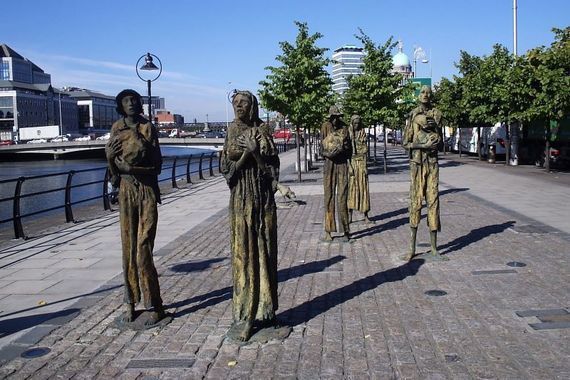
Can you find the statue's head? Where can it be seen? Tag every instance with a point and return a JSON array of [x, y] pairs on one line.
[[335, 116], [246, 107], [425, 95], [355, 121], [129, 103]]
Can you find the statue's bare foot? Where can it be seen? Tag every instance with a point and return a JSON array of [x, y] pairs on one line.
[[129, 314], [271, 322], [408, 257], [240, 331], [155, 316], [327, 237], [437, 256]]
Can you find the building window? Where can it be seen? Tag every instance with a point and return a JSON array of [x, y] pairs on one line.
[[4, 70]]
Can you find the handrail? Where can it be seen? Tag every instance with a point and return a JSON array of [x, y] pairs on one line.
[[104, 193]]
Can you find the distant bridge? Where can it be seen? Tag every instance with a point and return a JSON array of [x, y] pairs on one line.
[[93, 148]]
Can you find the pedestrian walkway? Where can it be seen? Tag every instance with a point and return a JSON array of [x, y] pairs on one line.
[[356, 310]]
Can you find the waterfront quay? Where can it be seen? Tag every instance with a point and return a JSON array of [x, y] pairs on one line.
[[499, 308]]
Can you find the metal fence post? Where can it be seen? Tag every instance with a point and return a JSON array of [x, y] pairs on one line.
[[68, 210], [188, 179], [220, 161], [174, 172], [211, 168], [106, 203], [200, 166], [18, 228]]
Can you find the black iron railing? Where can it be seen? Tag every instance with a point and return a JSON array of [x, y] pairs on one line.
[[172, 167]]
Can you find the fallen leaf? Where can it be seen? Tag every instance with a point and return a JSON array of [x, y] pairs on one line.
[[42, 303], [232, 363]]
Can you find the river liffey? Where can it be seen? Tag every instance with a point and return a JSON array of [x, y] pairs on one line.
[[88, 172]]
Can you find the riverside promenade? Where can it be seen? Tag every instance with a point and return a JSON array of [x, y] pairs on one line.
[[355, 309]]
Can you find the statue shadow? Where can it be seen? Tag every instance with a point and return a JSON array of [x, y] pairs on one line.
[[310, 309], [393, 224], [195, 266], [450, 164], [453, 190], [224, 294], [474, 236], [13, 325], [389, 214]]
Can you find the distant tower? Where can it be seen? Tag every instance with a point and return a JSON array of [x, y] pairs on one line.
[[347, 61], [401, 63]]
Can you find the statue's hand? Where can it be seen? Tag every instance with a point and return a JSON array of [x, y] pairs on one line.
[[115, 148], [248, 144], [123, 166]]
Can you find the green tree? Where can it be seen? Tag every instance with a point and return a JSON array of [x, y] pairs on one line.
[[378, 94], [301, 87], [547, 72]]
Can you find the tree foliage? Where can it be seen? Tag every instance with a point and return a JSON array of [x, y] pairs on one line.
[[502, 87], [300, 88], [377, 94]]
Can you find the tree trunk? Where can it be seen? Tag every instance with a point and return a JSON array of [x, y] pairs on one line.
[[479, 144], [385, 150], [547, 149], [311, 142], [507, 144], [298, 147], [460, 143], [375, 142]]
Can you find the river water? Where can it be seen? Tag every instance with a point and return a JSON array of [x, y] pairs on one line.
[[96, 172]]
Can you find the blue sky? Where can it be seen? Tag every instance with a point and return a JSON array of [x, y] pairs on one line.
[[204, 45]]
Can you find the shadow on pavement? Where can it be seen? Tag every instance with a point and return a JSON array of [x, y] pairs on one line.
[[389, 214], [11, 326], [318, 305], [224, 294], [195, 266], [393, 224], [474, 236], [451, 191]]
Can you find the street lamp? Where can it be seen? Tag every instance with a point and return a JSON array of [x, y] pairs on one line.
[[149, 66], [419, 54]]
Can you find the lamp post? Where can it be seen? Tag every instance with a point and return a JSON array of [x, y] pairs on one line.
[[149, 66], [420, 54], [227, 113]]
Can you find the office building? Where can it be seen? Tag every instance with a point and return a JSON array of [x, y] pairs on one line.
[[347, 61], [28, 100]]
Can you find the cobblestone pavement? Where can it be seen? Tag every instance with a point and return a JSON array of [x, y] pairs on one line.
[[356, 310]]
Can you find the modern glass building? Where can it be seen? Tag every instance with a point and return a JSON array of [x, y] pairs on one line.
[[27, 98], [347, 61]]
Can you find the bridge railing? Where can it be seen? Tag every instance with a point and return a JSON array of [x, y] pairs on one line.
[[171, 171]]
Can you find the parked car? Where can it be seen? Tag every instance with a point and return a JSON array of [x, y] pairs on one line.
[[59, 139], [283, 133], [106, 136], [83, 138], [37, 141], [6, 142]]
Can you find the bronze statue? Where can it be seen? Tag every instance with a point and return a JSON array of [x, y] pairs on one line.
[[134, 161], [251, 166], [336, 149], [421, 138], [358, 189]]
